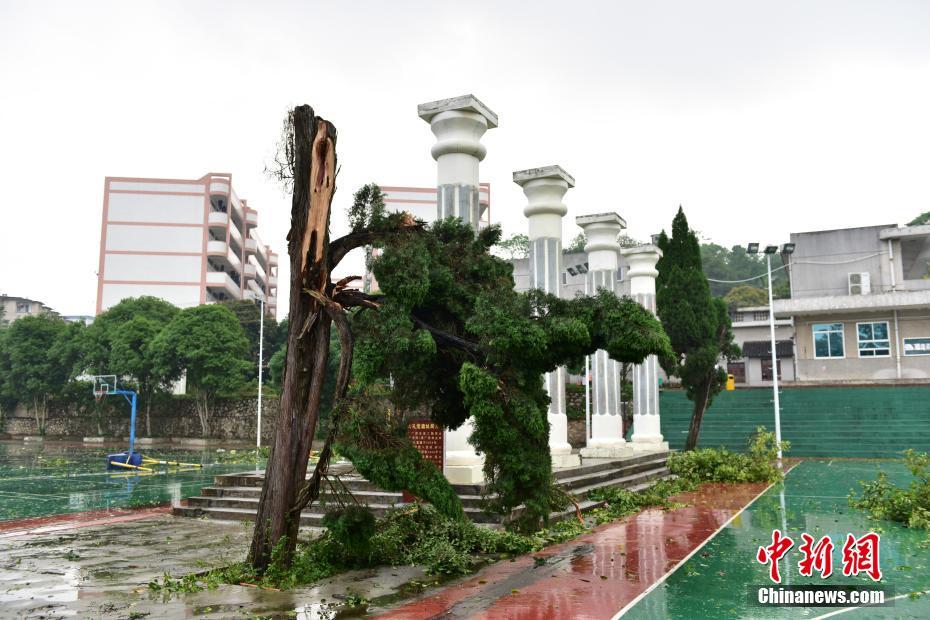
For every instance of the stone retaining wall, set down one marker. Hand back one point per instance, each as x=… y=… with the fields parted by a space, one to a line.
x=230 y=419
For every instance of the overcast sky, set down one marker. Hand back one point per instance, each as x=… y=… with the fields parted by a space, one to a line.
x=760 y=118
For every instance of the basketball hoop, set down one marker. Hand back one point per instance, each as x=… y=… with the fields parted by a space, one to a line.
x=103 y=385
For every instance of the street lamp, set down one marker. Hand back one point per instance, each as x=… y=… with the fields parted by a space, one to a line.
x=788 y=248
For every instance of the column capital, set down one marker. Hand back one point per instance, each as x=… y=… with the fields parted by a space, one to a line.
x=544 y=189
x=463 y=103
x=642 y=259
x=601 y=231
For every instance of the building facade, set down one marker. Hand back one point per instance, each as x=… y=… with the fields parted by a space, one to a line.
x=189 y=242
x=860 y=304
x=18 y=307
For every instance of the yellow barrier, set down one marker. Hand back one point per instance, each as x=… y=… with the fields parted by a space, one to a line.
x=128 y=466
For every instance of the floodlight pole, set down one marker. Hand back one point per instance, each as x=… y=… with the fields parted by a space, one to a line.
x=768 y=262
x=261 y=343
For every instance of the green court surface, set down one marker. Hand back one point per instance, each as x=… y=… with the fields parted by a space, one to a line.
x=721 y=579
x=51 y=478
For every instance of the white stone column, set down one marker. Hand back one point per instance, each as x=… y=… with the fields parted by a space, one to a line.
x=647 y=433
x=606 y=439
x=544 y=188
x=459 y=123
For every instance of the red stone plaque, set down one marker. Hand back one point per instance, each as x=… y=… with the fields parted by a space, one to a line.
x=426 y=436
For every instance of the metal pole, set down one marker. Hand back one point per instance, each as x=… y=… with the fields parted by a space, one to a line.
x=768 y=262
x=261 y=343
x=132 y=425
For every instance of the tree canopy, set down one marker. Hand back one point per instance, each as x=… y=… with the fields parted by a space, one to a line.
x=745 y=295
x=207 y=345
x=454 y=338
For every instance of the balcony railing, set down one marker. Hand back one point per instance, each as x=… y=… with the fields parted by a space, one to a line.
x=273 y=260
x=218 y=219
x=251 y=218
x=217 y=248
x=221 y=279
x=250 y=246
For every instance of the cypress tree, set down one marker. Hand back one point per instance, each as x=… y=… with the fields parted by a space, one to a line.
x=697 y=323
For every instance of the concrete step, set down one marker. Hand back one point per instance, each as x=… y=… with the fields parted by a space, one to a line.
x=236 y=496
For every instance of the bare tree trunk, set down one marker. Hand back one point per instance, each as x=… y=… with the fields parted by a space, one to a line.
x=697 y=415
x=307 y=339
x=148 y=416
x=203 y=412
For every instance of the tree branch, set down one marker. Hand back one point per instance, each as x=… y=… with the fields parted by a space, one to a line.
x=343 y=245
x=460 y=343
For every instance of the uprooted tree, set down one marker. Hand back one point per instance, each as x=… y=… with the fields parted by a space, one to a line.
x=447 y=334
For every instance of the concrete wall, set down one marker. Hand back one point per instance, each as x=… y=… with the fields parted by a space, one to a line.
x=230 y=419
x=572 y=283
x=852 y=367
x=838 y=246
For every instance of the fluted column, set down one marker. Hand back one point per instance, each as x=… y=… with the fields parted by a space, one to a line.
x=647 y=432
x=606 y=440
x=458 y=124
x=544 y=188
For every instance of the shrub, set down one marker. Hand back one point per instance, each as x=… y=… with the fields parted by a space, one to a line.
x=720 y=465
x=351 y=529
x=884 y=500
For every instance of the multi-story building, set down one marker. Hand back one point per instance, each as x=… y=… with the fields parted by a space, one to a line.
x=752 y=333
x=18 y=307
x=860 y=304
x=189 y=242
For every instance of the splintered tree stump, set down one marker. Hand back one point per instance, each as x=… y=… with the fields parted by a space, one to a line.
x=307 y=338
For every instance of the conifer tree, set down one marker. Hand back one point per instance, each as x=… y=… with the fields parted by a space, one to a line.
x=697 y=323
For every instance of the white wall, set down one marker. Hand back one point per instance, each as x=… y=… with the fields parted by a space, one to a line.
x=154 y=238
x=156 y=208
x=152 y=268
x=182 y=296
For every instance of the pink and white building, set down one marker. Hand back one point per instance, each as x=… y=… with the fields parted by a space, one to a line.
x=189 y=242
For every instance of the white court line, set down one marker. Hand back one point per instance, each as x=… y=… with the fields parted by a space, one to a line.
x=847 y=609
x=661 y=580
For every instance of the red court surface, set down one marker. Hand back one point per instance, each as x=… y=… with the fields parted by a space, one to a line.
x=593 y=576
x=43 y=525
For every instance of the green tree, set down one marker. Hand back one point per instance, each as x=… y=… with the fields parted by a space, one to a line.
x=697 y=323
x=745 y=295
x=132 y=352
x=249 y=315
x=207 y=345
x=98 y=337
x=515 y=246
x=33 y=372
x=735 y=267
x=453 y=337
x=577 y=244
x=920 y=220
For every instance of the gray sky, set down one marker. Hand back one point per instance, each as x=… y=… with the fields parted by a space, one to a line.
x=761 y=118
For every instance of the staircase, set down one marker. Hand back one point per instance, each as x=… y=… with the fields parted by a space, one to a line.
x=235 y=496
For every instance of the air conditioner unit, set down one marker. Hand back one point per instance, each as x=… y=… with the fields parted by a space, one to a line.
x=859 y=283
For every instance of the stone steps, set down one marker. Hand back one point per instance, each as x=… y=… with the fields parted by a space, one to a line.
x=236 y=496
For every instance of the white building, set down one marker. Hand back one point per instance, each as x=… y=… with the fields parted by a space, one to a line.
x=188 y=242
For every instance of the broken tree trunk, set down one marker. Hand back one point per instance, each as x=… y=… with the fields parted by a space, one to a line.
x=307 y=338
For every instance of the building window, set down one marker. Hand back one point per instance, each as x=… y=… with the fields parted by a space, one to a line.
x=828 y=340
x=22 y=306
x=738 y=370
x=767 y=370
x=916 y=346
x=760 y=315
x=873 y=339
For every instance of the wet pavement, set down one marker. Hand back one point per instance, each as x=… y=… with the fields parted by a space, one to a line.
x=53 y=477
x=721 y=581
x=593 y=576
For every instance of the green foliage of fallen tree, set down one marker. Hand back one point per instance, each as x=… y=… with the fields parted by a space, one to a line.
x=759 y=464
x=882 y=499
